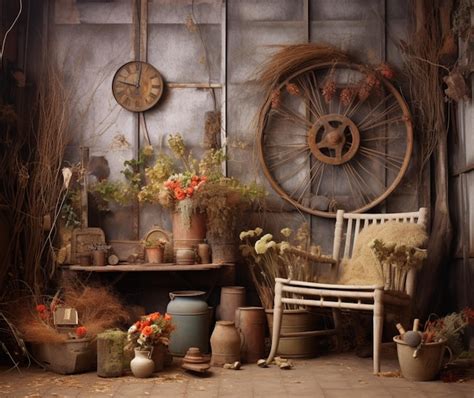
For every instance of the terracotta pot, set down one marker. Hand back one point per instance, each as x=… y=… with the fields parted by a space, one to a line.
x=225 y=343
x=251 y=322
x=98 y=257
x=185 y=256
x=190 y=314
x=232 y=297
x=188 y=236
x=142 y=365
x=154 y=255
x=296 y=321
x=427 y=363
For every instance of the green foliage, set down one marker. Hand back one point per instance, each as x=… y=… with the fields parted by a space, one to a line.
x=70 y=209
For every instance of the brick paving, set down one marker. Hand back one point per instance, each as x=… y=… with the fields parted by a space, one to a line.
x=329 y=376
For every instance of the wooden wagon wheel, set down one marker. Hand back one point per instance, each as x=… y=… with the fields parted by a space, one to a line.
x=334 y=136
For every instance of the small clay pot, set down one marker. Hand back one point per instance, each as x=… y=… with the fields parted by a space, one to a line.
x=204 y=253
x=225 y=344
x=185 y=256
x=99 y=258
x=154 y=255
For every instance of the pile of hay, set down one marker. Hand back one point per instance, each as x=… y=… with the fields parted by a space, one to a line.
x=97 y=306
x=362 y=267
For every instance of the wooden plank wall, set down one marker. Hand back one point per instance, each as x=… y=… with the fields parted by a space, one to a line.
x=92 y=39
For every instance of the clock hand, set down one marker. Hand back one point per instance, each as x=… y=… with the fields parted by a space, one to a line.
x=127 y=83
x=137 y=84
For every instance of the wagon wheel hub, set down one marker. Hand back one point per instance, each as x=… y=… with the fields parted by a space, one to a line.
x=334 y=139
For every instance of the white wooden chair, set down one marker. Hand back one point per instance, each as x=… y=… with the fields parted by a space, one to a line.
x=346 y=297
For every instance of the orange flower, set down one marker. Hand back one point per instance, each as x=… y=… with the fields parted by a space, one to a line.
x=41 y=308
x=190 y=191
x=203 y=178
x=81 y=332
x=139 y=325
x=167 y=317
x=146 y=323
x=194 y=183
x=195 y=178
x=179 y=193
x=147 y=331
x=154 y=316
x=167 y=184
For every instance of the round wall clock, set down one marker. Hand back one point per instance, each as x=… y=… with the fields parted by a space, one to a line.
x=137 y=86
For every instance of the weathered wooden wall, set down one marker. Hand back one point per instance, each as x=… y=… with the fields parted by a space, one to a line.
x=92 y=39
x=461 y=270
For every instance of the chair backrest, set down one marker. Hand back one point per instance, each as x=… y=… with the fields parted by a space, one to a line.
x=357 y=222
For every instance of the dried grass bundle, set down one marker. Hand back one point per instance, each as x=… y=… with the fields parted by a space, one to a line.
x=98 y=307
x=295 y=57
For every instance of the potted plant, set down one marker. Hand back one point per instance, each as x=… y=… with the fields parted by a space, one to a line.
x=149 y=337
x=155 y=249
x=199 y=195
x=268 y=260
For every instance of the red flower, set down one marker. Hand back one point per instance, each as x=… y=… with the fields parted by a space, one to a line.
x=167 y=317
x=147 y=331
x=146 y=323
x=139 y=325
x=41 y=308
x=195 y=178
x=81 y=332
x=190 y=191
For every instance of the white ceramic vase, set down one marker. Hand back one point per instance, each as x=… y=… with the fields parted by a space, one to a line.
x=142 y=365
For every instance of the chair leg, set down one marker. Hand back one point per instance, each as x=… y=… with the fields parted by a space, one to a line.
x=378 y=328
x=337 y=319
x=277 y=315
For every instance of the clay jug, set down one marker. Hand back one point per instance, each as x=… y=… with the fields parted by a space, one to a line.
x=204 y=253
x=142 y=365
x=188 y=236
x=250 y=321
x=225 y=343
x=191 y=318
x=232 y=297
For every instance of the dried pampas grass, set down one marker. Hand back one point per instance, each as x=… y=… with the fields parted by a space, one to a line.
x=293 y=58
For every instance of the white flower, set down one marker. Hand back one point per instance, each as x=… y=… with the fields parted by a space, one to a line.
x=260 y=246
x=258 y=231
x=246 y=234
x=270 y=244
x=267 y=237
x=286 y=232
x=67 y=174
x=132 y=329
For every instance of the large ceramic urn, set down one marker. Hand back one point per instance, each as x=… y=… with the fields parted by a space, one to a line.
x=190 y=314
x=225 y=343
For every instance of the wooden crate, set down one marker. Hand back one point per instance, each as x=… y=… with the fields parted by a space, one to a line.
x=72 y=356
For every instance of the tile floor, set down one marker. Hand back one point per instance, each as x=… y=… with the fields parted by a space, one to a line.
x=329 y=376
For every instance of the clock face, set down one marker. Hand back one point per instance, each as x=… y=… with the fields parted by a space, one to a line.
x=137 y=86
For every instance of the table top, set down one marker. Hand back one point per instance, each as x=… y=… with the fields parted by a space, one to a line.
x=143 y=267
